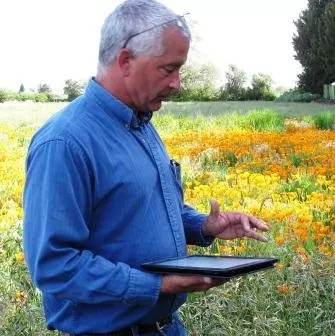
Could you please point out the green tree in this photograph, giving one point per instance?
(44, 88)
(314, 44)
(22, 89)
(261, 87)
(72, 89)
(198, 82)
(234, 87)
(3, 95)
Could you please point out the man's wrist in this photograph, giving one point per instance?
(204, 229)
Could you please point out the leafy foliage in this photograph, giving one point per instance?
(296, 95)
(198, 83)
(44, 88)
(3, 95)
(261, 87)
(314, 45)
(234, 87)
(72, 89)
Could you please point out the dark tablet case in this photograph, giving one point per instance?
(207, 265)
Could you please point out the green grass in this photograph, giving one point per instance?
(35, 113)
(217, 108)
(250, 305)
(20, 114)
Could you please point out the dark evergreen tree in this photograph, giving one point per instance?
(314, 44)
(22, 89)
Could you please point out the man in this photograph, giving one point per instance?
(102, 196)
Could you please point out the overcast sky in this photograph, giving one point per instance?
(47, 41)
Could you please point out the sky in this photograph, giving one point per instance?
(49, 41)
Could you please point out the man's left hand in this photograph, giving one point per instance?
(230, 225)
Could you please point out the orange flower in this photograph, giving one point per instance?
(286, 288)
(279, 240)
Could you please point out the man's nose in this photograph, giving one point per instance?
(175, 83)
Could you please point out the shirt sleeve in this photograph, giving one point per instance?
(193, 221)
(57, 205)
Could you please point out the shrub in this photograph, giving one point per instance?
(40, 97)
(3, 96)
(298, 96)
(24, 96)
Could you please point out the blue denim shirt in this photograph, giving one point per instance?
(101, 197)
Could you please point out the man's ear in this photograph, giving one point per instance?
(124, 61)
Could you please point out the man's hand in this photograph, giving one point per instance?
(172, 284)
(230, 225)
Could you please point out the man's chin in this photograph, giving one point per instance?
(155, 106)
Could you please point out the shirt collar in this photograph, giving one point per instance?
(115, 107)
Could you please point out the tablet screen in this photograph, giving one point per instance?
(224, 266)
(209, 262)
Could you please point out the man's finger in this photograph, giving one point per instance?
(250, 222)
(257, 223)
(245, 223)
(255, 235)
(215, 209)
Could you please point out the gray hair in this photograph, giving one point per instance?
(139, 24)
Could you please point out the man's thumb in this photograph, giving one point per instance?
(215, 208)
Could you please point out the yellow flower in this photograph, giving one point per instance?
(279, 266)
(20, 297)
(19, 257)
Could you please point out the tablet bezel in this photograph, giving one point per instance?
(253, 264)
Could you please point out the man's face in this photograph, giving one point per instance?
(152, 79)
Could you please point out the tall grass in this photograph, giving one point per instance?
(256, 120)
(263, 121)
(324, 120)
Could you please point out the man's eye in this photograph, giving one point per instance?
(168, 70)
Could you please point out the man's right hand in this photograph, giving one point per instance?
(172, 284)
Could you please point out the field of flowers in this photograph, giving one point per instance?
(277, 168)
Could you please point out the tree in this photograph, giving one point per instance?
(235, 81)
(3, 95)
(72, 89)
(314, 44)
(261, 87)
(22, 89)
(44, 88)
(197, 82)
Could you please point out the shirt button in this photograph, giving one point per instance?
(126, 125)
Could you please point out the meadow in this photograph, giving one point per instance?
(273, 160)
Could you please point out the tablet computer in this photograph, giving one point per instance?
(208, 265)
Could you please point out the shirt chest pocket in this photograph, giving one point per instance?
(176, 174)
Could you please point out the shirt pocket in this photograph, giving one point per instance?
(176, 174)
